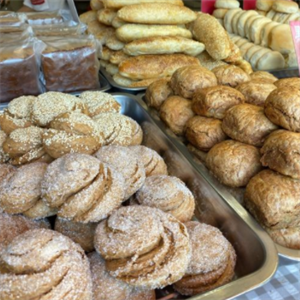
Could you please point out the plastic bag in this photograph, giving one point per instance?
(44, 18)
(63, 29)
(12, 19)
(9, 36)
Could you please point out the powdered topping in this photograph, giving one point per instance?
(30, 135)
(21, 107)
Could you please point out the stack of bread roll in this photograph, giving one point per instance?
(222, 7)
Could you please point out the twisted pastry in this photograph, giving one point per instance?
(168, 194)
(125, 162)
(82, 188)
(44, 264)
(143, 246)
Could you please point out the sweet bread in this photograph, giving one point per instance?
(126, 163)
(264, 5)
(219, 13)
(106, 16)
(285, 7)
(44, 263)
(143, 246)
(82, 188)
(118, 56)
(263, 75)
(3, 156)
(229, 4)
(208, 62)
(114, 43)
(122, 3)
(88, 16)
(288, 82)
(228, 18)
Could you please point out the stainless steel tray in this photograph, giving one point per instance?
(225, 192)
(285, 73)
(257, 258)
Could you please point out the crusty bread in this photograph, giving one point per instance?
(121, 3)
(280, 39)
(228, 17)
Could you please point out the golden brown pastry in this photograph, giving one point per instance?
(125, 162)
(256, 92)
(274, 199)
(212, 263)
(157, 92)
(233, 163)
(106, 16)
(175, 112)
(88, 16)
(143, 246)
(186, 80)
(215, 101)
(96, 4)
(230, 75)
(42, 263)
(118, 56)
(82, 234)
(248, 124)
(282, 107)
(5, 170)
(208, 62)
(288, 82)
(114, 43)
(169, 194)
(3, 156)
(263, 75)
(108, 287)
(122, 3)
(280, 153)
(204, 132)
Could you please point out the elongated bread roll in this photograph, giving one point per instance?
(228, 17)
(131, 32)
(121, 3)
(164, 45)
(271, 61)
(217, 42)
(152, 66)
(106, 16)
(123, 81)
(157, 13)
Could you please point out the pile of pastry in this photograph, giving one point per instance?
(237, 124)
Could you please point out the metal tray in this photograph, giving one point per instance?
(225, 192)
(285, 73)
(257, 258)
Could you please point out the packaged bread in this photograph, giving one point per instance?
(12, 19)
(121, 3)
(62, 29)
(70, 64)
(44, 18)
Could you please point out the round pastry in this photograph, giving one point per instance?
(263, 75)
(214, 101)
(119, 129)
(282, 107)
(51, 104)
(186, 80)
(248, 124)
(99, 102)
(230, 75)
(233, 163)
(82, 188)
(3, 156)
(169, 194)
(288, 82)
(157, 92)
(175, 112)
(82, 234)
(108, 287)
(14, 225)
(280, 153)
(204, 132)
(143, 246)
(42, 263)
(227, 4)
(256, 92)
(24, 145)
(212, 263)
(152, 161)
(285, 7)
(208, 62)
(125, 162)
(274, 199)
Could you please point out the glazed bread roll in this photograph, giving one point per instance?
(282, 108)
(285, 6)
(154, 66)
(213, 102)
(229, 4)
(273, 199)
(248, 124)
(3, 156)
(279, 153)
(168, 194)
(204, 133)
(264, 5)
(217, 43)
(82, 188)
(220, 259)
(130, 32)
(106, 16)
(293, 82)
(186, 80)
(175, 112)
(157, 92)
(44, 263)
(233, 163)
(144, 234)
(164, 45)
(121, 3)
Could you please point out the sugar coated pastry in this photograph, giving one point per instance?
(143, 246)
(43, 263)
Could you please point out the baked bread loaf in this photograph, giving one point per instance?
(266, 76)
(169, 194)
(213, 102)
(208, 62)
(106, 16)
(264, 5)
(204, 132)
(186, 80)
(5, 170)
(279, 153)
(229, 4)
(96, 4)
(88, 16)
(157, 243)
(212, 263)
(44, 263)
(3, 156)
(282, 108)
(82, 188)
(118, 56)
(175, 112)
(122, 3)
(233, 163)
(285, 7)
(288, 82)
(273, 199)
(248, 124)
(114, 43)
